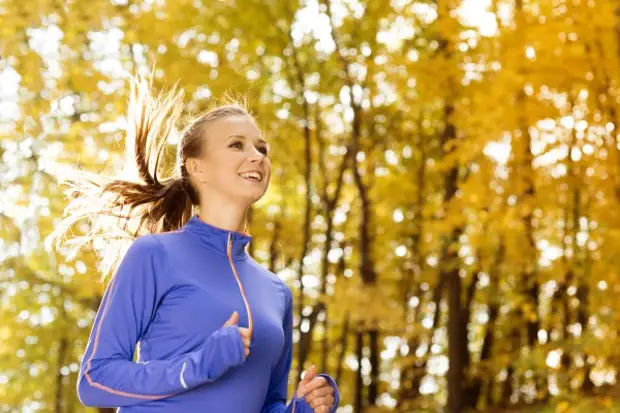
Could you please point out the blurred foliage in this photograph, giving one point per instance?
(514, 102)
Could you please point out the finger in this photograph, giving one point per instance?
(315, 384)
(322, 403)
(319, 394)
(318, 406)
(312, 394)
(305, 381)
(327, 402)
(246, 352)
(309, 375)
(233, 320)
(322, 391)
(245, 333)
(306, 378)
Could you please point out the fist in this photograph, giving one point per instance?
(245, 332)
(317, 392)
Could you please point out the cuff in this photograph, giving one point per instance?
(223, 350)
(236, 353)
(336, 391)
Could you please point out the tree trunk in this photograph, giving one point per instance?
(457, 325)
(524, 163)
(373, 389)
(475, 390)
(412, 374)
(344, 341)
(367, 271)
(366, 238)
(330, 202)
(273, 246)
(508, 387)
(248, 224)
(298, 76)
(62, 355)
(359, 383)
(583, 292)
(449, 268)
(456, 331)
(306, 229)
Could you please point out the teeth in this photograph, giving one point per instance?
(252, 175)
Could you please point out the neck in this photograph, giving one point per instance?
(226, 215)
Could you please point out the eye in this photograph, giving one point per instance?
(263, 150)
(237, 144)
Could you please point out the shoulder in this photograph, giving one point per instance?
(144, 246)
(140, 263)
(145, 253)
(145, 243)
(164, 239)
(154, 248)
(163, 244)
(148, 255)
(154, 243)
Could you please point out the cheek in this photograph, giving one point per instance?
(268, 167)
(267, 183)
(221, 168)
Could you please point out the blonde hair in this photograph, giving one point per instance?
(119, 210)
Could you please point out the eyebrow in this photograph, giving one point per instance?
(260, 140)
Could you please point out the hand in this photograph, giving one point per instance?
(245, 333)
(319, 394)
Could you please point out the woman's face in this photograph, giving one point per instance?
(234, 164)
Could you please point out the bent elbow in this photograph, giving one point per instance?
(87, 394)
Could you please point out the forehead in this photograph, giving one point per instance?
(237, 125)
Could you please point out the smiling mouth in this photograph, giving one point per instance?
(252, 176)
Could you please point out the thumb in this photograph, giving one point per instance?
(234, 319)
(310, 373)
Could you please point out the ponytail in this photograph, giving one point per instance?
(139, 203)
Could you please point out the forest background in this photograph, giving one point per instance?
(445, 203)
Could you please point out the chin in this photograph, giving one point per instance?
(251, 198)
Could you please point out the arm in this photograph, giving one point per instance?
(108, 376)
(275, 401)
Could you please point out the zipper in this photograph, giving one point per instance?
(245, 298)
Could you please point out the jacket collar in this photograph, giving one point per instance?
(218, 238)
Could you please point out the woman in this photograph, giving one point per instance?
(210, 329)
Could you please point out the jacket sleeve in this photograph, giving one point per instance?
(275, 401)
(108, 377)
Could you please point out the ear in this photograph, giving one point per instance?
(195, 169)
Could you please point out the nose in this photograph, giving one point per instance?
(256, 156)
